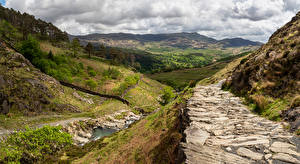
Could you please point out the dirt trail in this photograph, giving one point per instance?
(4, 132)
(223, 130)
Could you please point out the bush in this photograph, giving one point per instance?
(111, 73)
(168, 95)
(92, 73)
(91, 84)
(30, 48)
(129, 81)
(32, 145)
(260, 103)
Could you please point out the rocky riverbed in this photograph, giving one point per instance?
(83, 130)
(223, 130)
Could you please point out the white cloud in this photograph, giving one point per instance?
(251, 19)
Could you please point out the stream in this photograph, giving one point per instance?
(102, 132)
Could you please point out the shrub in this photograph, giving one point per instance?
(90, 68)
(111, 73)
(31, 145)
(92, 73)
(129, 81)
(168, 95)
(244, 60)
(91, 84)
(30, 48)
(260, 103)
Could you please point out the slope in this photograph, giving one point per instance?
(270, 77)
(176, 40)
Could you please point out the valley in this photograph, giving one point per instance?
(146, 98)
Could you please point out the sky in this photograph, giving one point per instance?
(250, 19)
(2, 2)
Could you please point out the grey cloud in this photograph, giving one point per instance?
(251, 19)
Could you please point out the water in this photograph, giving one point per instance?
(102, 132)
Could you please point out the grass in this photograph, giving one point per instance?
(223, 73)
(151, 140)
(181, 78)
(64, 95)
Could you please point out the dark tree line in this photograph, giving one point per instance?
(27, 24)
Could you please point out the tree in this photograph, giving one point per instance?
(50, 55)
(7, 31)
(89, 48)
(30, 48)
(75, 45)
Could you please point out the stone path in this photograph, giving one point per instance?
(223, 130)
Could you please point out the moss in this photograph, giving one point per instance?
(121, 116)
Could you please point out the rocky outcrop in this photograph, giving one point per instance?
(82, 129)
(272, 74)
(223, 130)
(274, 69)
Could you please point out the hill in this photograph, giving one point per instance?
(152, 53)
(179, 79)
(34, 71)
(28, 24)
(270, 77)
(177, 40)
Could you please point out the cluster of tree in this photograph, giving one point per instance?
(27, 24)
(139, 60)
(59, 66)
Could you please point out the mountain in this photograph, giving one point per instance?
(178, 40)
(270, 77)
(238, 42)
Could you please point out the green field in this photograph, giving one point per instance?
(181, 78)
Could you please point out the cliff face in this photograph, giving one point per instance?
(274, 69)
(270, 77)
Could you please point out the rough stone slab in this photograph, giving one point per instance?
(196, 136)
(281, 147)
(285, 158)
(248, 153)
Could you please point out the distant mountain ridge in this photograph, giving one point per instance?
(180, 40)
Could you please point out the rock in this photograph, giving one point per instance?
(220, 126)
(196, 136)
(5, 107)
(248, 153)
(89, 101)
(218, 132)
(256, 142)
(280, 147)
(229, 149)
(285, 158)
(80, 140)
(2, 82)
(292, 115)
(268, 156)
(84, 134)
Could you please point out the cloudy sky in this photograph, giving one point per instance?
(250, 19)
